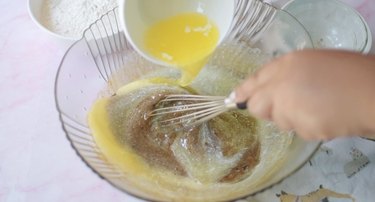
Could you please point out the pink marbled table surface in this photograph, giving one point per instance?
(36, 160)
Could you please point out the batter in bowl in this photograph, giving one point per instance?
(224, 149)
(217, 159)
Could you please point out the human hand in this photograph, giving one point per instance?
(319, 94)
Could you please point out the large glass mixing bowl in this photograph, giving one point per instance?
(102, 61)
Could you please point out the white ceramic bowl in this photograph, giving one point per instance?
(332, 24)
(137, 15)
(35, 11)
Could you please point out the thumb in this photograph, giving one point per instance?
(245, 90)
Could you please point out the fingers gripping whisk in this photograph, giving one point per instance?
(189, 110)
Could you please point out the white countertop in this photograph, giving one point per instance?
(37, 162)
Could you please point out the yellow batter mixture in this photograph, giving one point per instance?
(218, 159)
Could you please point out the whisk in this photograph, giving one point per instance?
(201, 109)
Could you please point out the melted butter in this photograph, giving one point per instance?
(184, 41)
(103, 132)
(136, 143)
(143, 83)
(109, 145)
(121, 155)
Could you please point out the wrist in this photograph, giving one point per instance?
(369, 119)
(368, 87)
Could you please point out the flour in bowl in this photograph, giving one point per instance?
(71, 17)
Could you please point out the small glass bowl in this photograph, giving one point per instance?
(332, 24)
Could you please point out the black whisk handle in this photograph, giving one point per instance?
(242, 105)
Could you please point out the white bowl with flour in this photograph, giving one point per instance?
(67, 19)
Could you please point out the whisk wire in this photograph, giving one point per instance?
(194, 118)
(193, 97)
(202, 109)
(184, 108)
(195, 115)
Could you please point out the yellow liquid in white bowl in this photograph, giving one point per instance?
(184, 41)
